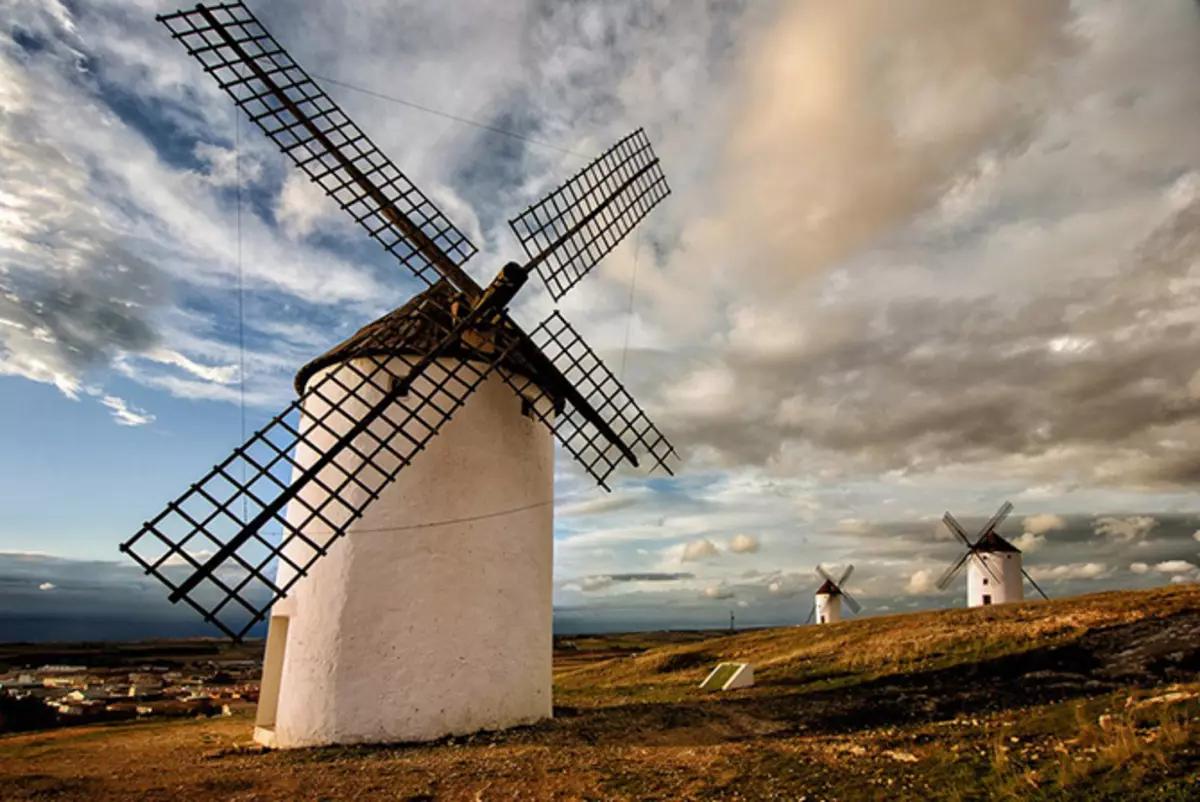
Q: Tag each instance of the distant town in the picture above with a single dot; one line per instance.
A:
(40, 697)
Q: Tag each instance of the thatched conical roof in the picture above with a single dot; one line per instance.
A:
(994, 543)
(828, 589)
(412, 329)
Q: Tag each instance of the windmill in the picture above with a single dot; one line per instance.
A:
(994, 565)
(405, 558)
(827, 602)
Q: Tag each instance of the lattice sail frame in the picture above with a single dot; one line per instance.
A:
(556, 338)
(218, 545)
(231, 546)
(307, 125)
(567, 233)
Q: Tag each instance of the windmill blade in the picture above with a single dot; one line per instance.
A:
(821, 572)
(850, 600)
(1036, 586)
(227, 546)
(599, 423)
(569, 231)
(952, 571)
(995, 521)
(845, 575)
(280, 98)
(952, 524)
(811, 614)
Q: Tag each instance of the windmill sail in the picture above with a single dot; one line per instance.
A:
(606, 398)
(994, 521)
(952, 571)
(567, 233)
(251, 528)
(295, 113)
(1036, 586)
(231, 546)
(956, 528)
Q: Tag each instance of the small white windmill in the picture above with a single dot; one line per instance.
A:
(994, 569)
(827, 602)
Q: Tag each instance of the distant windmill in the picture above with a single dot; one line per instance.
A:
(432, 615)
(827, 603)
(994, 571)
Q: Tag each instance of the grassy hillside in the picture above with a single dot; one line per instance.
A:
(1089, 698)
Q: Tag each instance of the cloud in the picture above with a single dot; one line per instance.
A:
(590, 584)
(598, 582)
(699, 550)
(1196, 535)
(1070, 571)
(222, 167)
(1125, 530)
(1176, 567)
(842, 313)
(124, 414)
(46, 586)
(814, 173)
(1046, 522)
(910, 304)
(222, 374)
(721, 591)
(744, 544)
(302, 206)
(921, 583)
(1139, 568)
(1029, 541)
(598, 506)
(114, 224)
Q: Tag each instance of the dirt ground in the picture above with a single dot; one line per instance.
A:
(1103, 703)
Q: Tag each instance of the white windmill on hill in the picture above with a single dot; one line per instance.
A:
(827, 602)
(994, 571)
(404, 558)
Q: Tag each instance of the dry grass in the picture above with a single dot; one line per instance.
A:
(897, 708)
(882, 646)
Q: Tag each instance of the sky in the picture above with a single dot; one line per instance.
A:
(919, 256)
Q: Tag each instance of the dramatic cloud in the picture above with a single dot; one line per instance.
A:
(46, 586)
(1125, 530)
(918, 255)
(918, 345)
(125, 415)
(590, 584)
(700, 550)
(1040, 524)
(1070, 571)
(922, 582)
(1028, 541)
(1176, 567)
(744, 544)
(721, 591)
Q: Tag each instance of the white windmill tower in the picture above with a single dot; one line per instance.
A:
(827, 602)
(404, 558)
(994, 571)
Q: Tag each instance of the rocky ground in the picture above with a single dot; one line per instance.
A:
(1089, 698)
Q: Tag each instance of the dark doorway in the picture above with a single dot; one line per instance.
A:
(987, 599)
